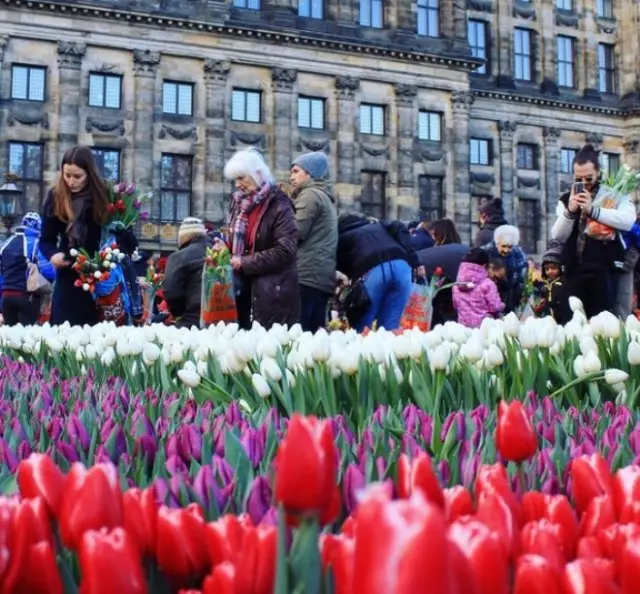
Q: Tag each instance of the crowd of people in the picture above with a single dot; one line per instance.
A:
(291, 251)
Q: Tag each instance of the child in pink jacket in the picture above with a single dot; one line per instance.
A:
(475, 295)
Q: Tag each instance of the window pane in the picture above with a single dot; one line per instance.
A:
(365, 13)
(112, 94)
(185, 99)
(377, 17)
(304, 8)
(169, 98)
(19, 79)
(36, 84)
(317, 114)
(166, 166)
(16, 158)
(304, 113)
(96, 90)
(166, 206)
(183, 206)
(365, 119)
(253, 4)
(253, 107)
(317, 9)
(434, 127)
(33, 164)
(377, 121)
(238, 105)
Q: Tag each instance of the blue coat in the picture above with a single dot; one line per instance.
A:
(13, 260)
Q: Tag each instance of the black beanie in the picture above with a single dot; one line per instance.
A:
(553, 255)
(492, 208)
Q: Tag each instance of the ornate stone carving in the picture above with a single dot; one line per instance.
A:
(506, 128)
(283, 79)
(593, 138)
(551, 135)
(482, 183)
(145, 61)
(308, 144)
(567, 19)
(92, 124)
(405, 94)
(527, 183)
(216, 70)
(346, 87)
(632, 146)
(177, 133)
(70, 53)
(427, 152)
(461, 101)
(28, 118)
(247, 139)
(375, 151)
(4, 41)
(525, 10)
(607, 26)
(481, 5)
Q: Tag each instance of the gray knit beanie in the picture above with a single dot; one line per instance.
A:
(315, 164)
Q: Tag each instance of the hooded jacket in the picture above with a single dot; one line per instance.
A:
(496, 219)
(317, 221)
(13, 263)
(476, 296)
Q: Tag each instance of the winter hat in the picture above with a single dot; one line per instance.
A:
(315, 164)
(190, 228)
(553, 255)
(477, 256)
(33, 221)
(492, 208)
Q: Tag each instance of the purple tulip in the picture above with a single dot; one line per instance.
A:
(78, 433)
(353, 482)
(251, 446)
(205, 486)
(67, 451)
(146, 447)
(223, 470)
(55, 428)
(189, 443)
(259, 500)
(175, 465)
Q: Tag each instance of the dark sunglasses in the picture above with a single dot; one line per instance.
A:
(587, 179)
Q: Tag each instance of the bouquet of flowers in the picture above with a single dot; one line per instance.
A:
(418, 312)
(153, 280)
(218, 303)
(125, 204)
(94, 273)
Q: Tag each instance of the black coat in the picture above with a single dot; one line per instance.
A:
(270, 272)
(182, 285)
(69, 303)
(485, 234)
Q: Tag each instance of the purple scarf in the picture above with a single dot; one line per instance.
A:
(242, 205)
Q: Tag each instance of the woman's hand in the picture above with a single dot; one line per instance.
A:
(421, 272)
(585, 201)
(59, 260)
(236, 263)
(574, 205)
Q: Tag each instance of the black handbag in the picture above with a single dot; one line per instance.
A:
(355, 301)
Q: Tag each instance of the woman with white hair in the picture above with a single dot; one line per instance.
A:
(263, 239)
(505, 245)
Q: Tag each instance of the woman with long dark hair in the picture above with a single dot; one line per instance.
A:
(590, 257)
(74, 210)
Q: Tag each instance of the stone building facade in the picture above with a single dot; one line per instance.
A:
(425, 107)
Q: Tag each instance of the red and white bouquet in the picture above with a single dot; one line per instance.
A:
(95, 272)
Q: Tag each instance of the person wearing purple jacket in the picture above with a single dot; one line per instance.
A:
(475, 295)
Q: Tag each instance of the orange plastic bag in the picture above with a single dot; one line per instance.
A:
(218, 303)
(597, 230)
(419, 310)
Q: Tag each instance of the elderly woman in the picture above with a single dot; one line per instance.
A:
(593, 250)
(263, 238)
(505, 245)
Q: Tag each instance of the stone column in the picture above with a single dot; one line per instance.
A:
(283, 82)
(551, 172)
(591, 74)
(215, 76)
(505, 45)
(405, 101)
(453, 19)
(347, 14)
(4, 165)
(145, 66)
(632, 152)
(461, 102)
(548, 43)
(507, 170)
(346, 87)
(70, 56)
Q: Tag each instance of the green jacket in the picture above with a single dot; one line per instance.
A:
(317, 235)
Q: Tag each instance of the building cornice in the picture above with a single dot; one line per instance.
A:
(259, 32)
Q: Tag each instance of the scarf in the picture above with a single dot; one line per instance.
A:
(241, 207)
(77, 228)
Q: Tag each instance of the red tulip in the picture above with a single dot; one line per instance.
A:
(110, 562)
(221, 581)
(599, 515)
(589, 548)
(256, 566)
(418, 475)
(38, 476)
(536, 575)
(515, 438)
(140, 511)
(400, 546)
(92, 500)
(626, 493)
(485, 554)
(337, 554)
(613, 541)
(590, 477)
(630, 567)
(225, 537)
(588, 577)
(7, 511)
(181, 548)
(543, 539)
(494, 512)
(32, 562)
(494, 478)
(458, 503)
(306, 467)
(534, 506)
(560, 512)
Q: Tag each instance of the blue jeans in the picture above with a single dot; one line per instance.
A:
(389, 287)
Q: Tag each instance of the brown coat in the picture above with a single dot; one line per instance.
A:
(271, 269)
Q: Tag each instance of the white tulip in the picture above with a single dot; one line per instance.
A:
(73, 252)
(472, 351)
(633, 353)
(270, 369)
(260, 385)
(165, 354)
(291, 379)
(150, 352)
(244, 405)
(615, 376)
(575, 304)
(591, 363)
(268, 346)
(494, 356)
(108, 356)
(349, 361)
(177, 353)
(202, 367)
(527, 336)
(587, 345)
(321, 347)
(189, 378)
(189, 366)
(401, 347)
(440, 357)
(633, 323)
(79, 354)
(511, 325)
(578, 366)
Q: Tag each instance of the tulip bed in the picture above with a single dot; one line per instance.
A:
(497, 460)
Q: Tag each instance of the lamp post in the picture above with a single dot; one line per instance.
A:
(9, 195)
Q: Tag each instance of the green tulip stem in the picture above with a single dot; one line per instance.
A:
(66, 573)
(282, 576)
(522, 479)
(589, 377)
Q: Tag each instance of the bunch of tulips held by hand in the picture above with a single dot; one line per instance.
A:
(92, 271)
(410, 536)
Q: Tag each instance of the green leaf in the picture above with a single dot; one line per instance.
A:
(238, 459)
